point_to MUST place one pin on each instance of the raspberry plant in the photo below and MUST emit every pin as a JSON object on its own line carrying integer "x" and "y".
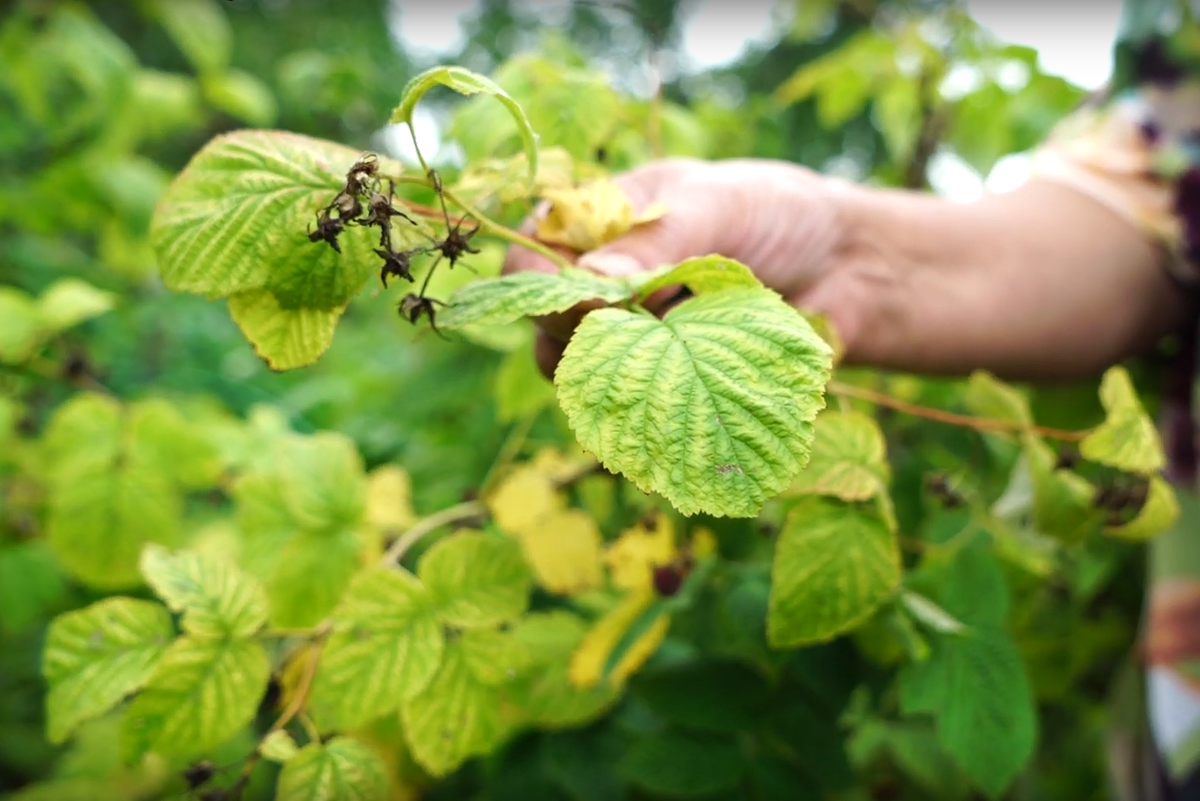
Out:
{"x": 757, "y": 573}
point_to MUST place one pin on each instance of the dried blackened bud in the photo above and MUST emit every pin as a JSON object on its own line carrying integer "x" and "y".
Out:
{"x": 395, "y": 263}
{"x": 413, "y": 307}
{"x": 939, "y": 487}
{"x": 1067, "y": 458}
{"x": 328, "y": 230}
{"x": 199, "y": 773}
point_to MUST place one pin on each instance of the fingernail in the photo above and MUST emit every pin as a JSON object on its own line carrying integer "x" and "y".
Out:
{"x": 614, "y": 264}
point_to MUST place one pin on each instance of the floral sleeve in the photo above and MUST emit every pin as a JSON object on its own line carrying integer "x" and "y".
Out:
{"x": 1136, "y": 148}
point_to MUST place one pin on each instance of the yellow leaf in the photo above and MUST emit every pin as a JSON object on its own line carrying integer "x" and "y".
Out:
{"x": 523, "y": 498}
{"x": 389, "y": 499}
{"x": 704, "y": 543}
{"x": 564, "y": 552}
{"x": 557, "y": 466}
{"x": 589, "y": 216}
{"x": 632, "y": 558}
{"x": 589, "y": 659}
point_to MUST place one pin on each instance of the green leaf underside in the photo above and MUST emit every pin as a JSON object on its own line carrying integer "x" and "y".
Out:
{"x": 701, "y": 275}
{"x": 848, "y": 459}
{"x": 476, "y": 579}
{"x": 217, "y": 600}
{"x": 339, "y": 770}
{"x": 499, "y": 301}
{"x": 284, "y": 339}
{"x": 96, "y": 656}
{"x": 712, "y": 407}
{"x": 468, "y": 83}
{"x": 835, "y": 563}
{"x": 385, "y": 648}
{"x": 236, "y": 218}
{"x": 1127, "y": 439}
{"x": 201, "y": 694}
{"x": 456, "y": 717}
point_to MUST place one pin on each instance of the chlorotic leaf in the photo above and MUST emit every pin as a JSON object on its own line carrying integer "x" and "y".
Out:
{"x": 466, "y": 82}
{"x": 1127, "y": 439}
{"x": 739, "y": 374}
{"x": 201, "y": 693}
{"x": 493, "y": 656}
{"x": 989, "y": 397}
{"x": 198, "y": 28}
{"x": 584, "y": 218}
{"x": 1158, "y": 513}
{"x": 339, "y": 770}
{"x": 385, "y": 648}
{"x": 476, "y": 579}
{"x": 702, "y": 274}
{"x": 1062, "y": 499}
{"x": 235, "y": 220}
{"x": 632, "y": 557}
{"x": 835, "y": 563}
{"x": 496, "y": 301}
{"x": 20, "y": 325}
{"x": 456, "y": 717}
{"x": 96, "y": 656}
{"x": 284, "y": 338}
{"x": 217, "y": 600}
{"x": 323, "y": 482}
{"x": 563, "y": 550}
{"x": 389, "y": 499}
{"x": 848, "y": 459}
{"x": 69, "y": 302}
{"x": 593, "y": 661}
{"x": 523, "y": 498}
{"x": 278, "y": 746}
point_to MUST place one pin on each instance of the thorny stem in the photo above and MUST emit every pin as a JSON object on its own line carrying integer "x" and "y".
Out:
{"x": 463, "y": 511}
{"x": 950, "y": 418}
{"x": 490, "y": 226}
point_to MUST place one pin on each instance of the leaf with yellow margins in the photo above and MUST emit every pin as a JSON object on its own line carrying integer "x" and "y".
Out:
{"x": 621, "y": 641}
{"x": 563, "y": 549}
{"x": 848, "y": 459}
{"x": 1127, "y": 439}
{"x": 389, "y": 499}
{"x": 632, "y": 558}
{"x": 591, "y": 215}
{"x": 1158, "y": 513}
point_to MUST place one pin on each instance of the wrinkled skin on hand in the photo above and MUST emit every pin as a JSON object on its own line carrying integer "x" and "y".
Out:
{"x": 781, "y": 220}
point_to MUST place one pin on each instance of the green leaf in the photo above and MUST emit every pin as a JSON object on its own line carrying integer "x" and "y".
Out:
{"x": 678, "y": 764}
{"x": 898, "y": 113}
{"x": 1158, "y": 513}
{"x": 198, "y": 28}
{"x": 96, "y": 656}
{"x": 242, "y": 96}
{"x": 709, "y": 695}
{"x": 1127, "y": 439}
{"x": 32, "y": 583}
{"x": 385, "y": 648}
{"x": 466, "y": 82}
{"x": 1062, "y": 499}
{"x": 989, "y": 397}
{"x": 284, "y": 338}
{"x": 702, "y": 274}
{"x": 496, "y": 301}
{"x": 339, "y": 770}
{"x": 544, "y": 692}
{"x": 493, "y": 656}
{"x": 835, "y": 563}
{"x": 278, "y": 746}
{"x": 19, "y": 325}
{"x": 69, "y": 301}
{"x": 476, "y": 579}
{"x": 520, "y": 388}
{"x": 160, "y": 434}
{"x": 324, "y": 480}
{"x": 848, "y": 459}
{"x": 201, "y": 694}
{"x": 456, "y": 717}
{"x": 739, "y": 374}
{"x": 217, "y": 600}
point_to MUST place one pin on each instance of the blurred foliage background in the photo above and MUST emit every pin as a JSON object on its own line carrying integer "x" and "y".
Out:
{"x": 102, "y": 102}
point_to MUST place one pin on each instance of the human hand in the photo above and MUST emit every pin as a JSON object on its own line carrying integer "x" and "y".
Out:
{"x": 781, "y": 220}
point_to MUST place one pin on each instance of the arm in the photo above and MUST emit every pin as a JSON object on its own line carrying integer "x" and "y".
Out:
{"x": 1042, "y": 282}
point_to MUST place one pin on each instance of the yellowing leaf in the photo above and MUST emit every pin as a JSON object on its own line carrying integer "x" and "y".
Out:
{"x": 1127, "y": 439}
{"x": 589, "y": 661}
{"x": 632, "y": 558}
{"x": 563, "y": 549}
{"x": 389, "y": 499}
{"x": 704, "y": 543}
{"x": 848, "y": 459}
{"x": 591, "y": 215}
{"x": 1158, "y": 513}
{"x": 283, "y": 338}
{"x": 523, "y": 498}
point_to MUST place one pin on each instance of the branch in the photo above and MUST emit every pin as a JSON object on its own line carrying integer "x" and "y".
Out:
{"x": 950, "y": 418}
{"x": 499, "y": 231}
{"x": 463, "y": 511}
